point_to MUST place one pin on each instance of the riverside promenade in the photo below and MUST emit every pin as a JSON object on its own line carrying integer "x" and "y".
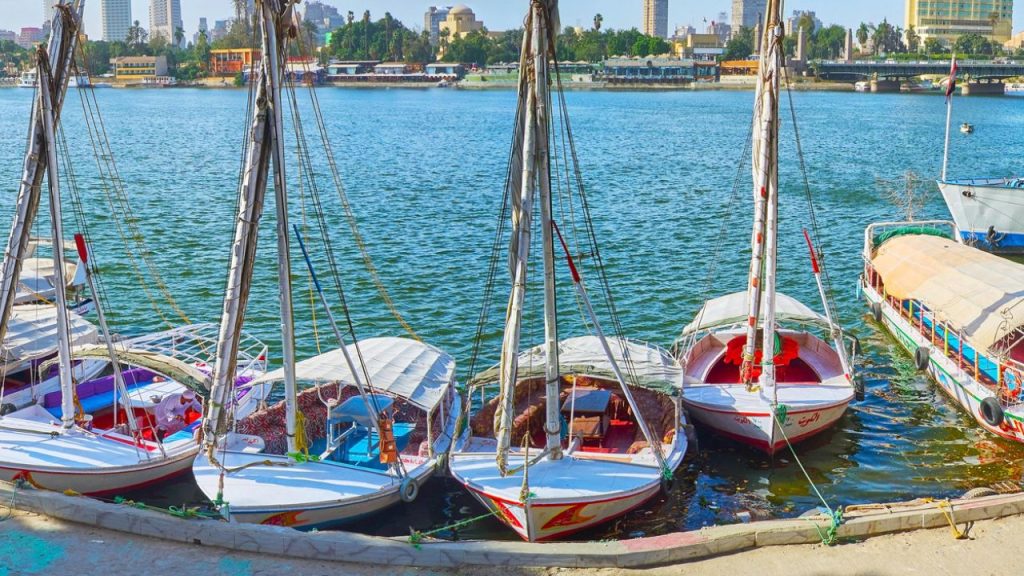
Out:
{"x": 35, "y": 544}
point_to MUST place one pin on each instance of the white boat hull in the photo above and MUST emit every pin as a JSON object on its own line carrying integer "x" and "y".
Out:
{"x": 34, "y": 449}
{"x": 756, "y": 426}
{"x": 574, "y": 493}
{"x": 958, "y": 383}
{"x": 976, "y": 205}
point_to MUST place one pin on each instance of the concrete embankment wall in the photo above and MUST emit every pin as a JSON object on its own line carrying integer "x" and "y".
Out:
{"x": 348, "y": 547}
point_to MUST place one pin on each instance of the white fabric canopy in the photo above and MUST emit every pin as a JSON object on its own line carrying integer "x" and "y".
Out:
{"x": 654, "y": 367}
{"x": 974, "y": 291}
{"x": 732, "y": 309}
{"x": 32, "y": 332}
{"x": 402, "y": 367}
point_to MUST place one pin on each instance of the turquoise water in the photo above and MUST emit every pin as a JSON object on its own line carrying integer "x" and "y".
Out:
{"x": 424, "y": 171}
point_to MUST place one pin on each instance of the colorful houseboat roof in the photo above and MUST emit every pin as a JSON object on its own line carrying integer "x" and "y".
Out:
{"x": 972, "y": 290}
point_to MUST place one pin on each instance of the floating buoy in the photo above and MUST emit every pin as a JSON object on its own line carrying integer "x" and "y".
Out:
{"x": 858, "y": 388}
{"x": 992, "y": 411}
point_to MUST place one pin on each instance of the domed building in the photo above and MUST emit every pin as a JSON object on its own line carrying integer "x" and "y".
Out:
{"x": 460, "y": 21}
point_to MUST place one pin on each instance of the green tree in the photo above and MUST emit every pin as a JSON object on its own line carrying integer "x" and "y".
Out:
{"x": 137, "y": 38}
{"x": 740, "y": 46}
{"x": 934, "y": 46}
{"x": 863, "y": 33}
{"x": 201, "y": 51}
{"x": 913, "y": 40}
{"x": 469, "y": 49}
{"x": 973, "y": 44}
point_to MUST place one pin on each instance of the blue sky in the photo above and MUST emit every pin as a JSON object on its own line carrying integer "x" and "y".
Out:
{"x": 496, "y": 14}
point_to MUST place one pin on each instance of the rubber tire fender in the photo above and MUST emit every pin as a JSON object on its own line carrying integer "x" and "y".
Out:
{"x": 876, "y": 311}
{"x": 921, "y": 358}
{"x": 992, "y": 412}
{"x": 858, "y": 388}
{"x": 409, "y": 489}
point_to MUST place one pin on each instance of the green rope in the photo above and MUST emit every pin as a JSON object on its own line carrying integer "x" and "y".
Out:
{"x": 416, "y": 537}
{"x": 303, "y": 457}
{"x": 829, "y": 536}
{"x": 12, "y": 503}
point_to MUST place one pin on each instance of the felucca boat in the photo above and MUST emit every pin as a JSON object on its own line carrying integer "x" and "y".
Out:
{"x": 957, "y": 310}
{"x": 381, "y": 412}
{"x": 580, "y": 430}
{"x": 754, "y": 372}
{"x": 988, "y": 212}
{"x": 102, "y": 435}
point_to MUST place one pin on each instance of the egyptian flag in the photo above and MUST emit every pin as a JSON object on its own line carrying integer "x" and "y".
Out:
{"x": 951, "y": 84}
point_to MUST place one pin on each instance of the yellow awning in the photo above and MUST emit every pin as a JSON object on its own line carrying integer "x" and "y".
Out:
{"x": 971, "y": 290}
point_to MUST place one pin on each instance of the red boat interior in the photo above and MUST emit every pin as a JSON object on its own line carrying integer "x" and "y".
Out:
{"x": 789, "y": 367}
{"x": 595, "y": 414}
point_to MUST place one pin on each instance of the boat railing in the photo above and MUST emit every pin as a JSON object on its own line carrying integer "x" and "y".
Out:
{"x": 196, "y": 344}
{"x": 876, "y": 229}
{"x": 1003, "y": 376}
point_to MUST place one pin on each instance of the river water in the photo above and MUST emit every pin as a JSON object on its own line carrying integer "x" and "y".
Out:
{"x": 424, "y": 171}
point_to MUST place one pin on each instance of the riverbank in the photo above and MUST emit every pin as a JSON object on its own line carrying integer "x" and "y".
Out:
{"x": 35, "y": 544}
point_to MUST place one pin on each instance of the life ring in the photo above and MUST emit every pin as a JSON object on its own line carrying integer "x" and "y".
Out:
{"x": 992, "y": 412}
{"x": 876, "y": 311}
{"x": 409, "y": 489}
{"x": 921, "y": 358}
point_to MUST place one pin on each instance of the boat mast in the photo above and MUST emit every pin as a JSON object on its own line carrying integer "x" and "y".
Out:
{"x": 67, "y": 386}
{"x": 765, "y": 171}
{"x": 542, "y": 33}
{"x": 521, "y": 184}
{"x": 58, "y": 55}
{"x": 265, "y": 137}
{"x": 950, "y": 91}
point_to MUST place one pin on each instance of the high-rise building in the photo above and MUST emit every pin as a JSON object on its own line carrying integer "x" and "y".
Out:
{"x": 117, "y": 19}
{"x": 432, "y": 22}
{"x": 48, "y": 10}
{"x": 947, "y": 20}
{"x": 747, "y": 13}
{"x": 656, "y": 18}
{"x": 325, "y": 16}
{"x": 165, "y": 18}
{"x": 793, "y": 21}
{"x": 203, "y": 27}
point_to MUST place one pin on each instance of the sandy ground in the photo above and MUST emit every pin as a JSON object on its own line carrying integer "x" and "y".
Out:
{"x": 32, "y": 544}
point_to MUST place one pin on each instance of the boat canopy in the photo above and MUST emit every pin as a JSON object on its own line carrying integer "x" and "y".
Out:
{"x": 32, "y": 332}
{"x": 181, "y": 372}
{"x": 732, "y": 309}
{"x": 653, "y": 366}
{"x": 972, "y": 290}
{"x": 417, "y": 372}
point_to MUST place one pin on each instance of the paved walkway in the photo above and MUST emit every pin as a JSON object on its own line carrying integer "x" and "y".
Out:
{"x": 32, "y": 544}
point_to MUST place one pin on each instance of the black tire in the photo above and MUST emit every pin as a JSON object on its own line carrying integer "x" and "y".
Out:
{"x": 992, "y": 412}
{"x": 7, "y": 408}
{"x": 858, "y": 388}
{"x": 409, "y": 490}
{"x": 921, "y": 358}
{"x": 876, "y": 311}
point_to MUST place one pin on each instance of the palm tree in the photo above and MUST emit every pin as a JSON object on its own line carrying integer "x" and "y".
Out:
{"x": 913, "y": 40}
{"x": 311, "y": 33}
{"x": 366, "y": 32}
{"x": 351, "y": 17}
{"x": 598, "y": 20}
{"x": 444, "y": 35}
{"x": 862, "y": 35}
{"x": 179, "y": 36}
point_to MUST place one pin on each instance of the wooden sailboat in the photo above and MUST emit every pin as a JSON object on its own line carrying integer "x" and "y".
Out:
{"x": 381, "y": 412}
{"x": 582, "y": 430}
{"x": 56, "y": 444}
{"x": 754, "y": 372}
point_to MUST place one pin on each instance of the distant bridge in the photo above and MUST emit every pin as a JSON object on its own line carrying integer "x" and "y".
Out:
{"x": 891, "y": 70}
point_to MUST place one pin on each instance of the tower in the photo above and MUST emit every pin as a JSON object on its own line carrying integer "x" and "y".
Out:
{"x": 656, "y": 18}
{"x": 116, "y": 17}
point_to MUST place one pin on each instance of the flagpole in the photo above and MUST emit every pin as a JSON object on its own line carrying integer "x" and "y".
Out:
{"x": 950, "y": 89}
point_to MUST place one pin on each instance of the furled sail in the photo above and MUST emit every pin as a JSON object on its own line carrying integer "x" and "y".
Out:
{"x": 764, "y": 166}
{"x": 63, "y": 39}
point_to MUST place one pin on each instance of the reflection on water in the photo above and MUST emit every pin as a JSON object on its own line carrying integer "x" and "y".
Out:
{"x": 424, "y": 171}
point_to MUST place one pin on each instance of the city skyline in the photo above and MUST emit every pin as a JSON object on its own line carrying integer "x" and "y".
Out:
{"x": 497, "y": 14}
